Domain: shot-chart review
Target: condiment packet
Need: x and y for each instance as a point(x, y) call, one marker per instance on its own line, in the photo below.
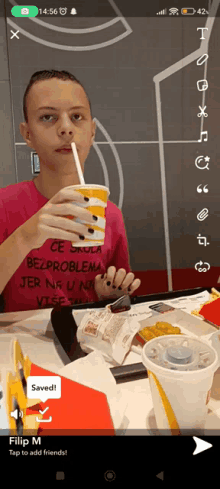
point(110, 333)
point(122, 304)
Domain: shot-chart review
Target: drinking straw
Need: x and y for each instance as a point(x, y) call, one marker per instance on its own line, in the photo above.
point(78, 166)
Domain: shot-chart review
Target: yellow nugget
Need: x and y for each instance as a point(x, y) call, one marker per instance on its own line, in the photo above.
point(146, 334)
point(159, 329)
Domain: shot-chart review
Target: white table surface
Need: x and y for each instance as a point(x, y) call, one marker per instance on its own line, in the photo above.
point(33, 331)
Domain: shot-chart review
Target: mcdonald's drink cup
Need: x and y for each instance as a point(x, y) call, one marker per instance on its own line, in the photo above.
point(98, 195)
point(180, 371)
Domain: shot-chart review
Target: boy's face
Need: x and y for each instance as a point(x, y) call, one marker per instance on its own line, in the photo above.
point(47, 129)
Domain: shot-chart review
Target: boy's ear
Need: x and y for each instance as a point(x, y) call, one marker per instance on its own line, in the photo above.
point(24, 130)
point(93, 130)
point(25, 134)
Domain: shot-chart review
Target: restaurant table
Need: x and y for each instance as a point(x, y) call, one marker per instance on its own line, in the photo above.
point(35, 332)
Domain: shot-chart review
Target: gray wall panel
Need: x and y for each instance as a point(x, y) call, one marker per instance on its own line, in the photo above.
point(7, 153)
point(119, 81)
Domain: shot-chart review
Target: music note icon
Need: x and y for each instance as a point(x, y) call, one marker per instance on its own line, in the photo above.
point(203, 134)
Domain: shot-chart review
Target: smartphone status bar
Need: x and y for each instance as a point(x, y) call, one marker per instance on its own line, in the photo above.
point(111, 9)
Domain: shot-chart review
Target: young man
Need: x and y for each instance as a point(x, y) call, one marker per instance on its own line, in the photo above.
point(39, 265)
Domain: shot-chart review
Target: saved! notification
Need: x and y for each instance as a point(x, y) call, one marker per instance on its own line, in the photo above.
point(44, 387)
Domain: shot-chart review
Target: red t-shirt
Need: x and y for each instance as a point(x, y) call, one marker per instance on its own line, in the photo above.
point(56, 273)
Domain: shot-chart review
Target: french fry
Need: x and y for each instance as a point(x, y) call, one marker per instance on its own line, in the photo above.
point(215, 292)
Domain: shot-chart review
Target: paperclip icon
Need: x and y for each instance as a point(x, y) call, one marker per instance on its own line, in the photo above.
point(202, 214)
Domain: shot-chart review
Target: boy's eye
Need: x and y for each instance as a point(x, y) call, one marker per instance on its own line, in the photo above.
point(52, 115)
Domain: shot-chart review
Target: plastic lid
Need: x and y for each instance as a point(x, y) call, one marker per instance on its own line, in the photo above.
point(179, 354)
point(176, 352)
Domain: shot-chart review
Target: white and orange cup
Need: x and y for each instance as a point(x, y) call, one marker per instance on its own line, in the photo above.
point(180, 397)
point(98, 197)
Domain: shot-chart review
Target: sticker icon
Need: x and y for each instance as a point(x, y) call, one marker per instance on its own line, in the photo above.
point(202, 85)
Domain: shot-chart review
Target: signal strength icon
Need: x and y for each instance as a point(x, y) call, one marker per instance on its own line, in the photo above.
point(162, 12)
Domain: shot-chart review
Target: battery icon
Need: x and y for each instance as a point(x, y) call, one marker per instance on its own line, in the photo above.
point(188, 11)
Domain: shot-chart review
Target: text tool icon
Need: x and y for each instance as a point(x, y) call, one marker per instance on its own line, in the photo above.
point(202, 85)
point(202, 240)
point(198, 266)
point(203, 214)
point(202, 29)
point(200, 114)
point(199, 162)
point(188, 11)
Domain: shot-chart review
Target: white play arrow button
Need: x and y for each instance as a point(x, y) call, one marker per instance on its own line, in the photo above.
point(201, 445)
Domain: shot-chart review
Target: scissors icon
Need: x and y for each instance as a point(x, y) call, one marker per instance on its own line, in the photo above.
point(202, 112)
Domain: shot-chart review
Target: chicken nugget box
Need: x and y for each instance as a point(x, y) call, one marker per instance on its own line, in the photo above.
point(80, 410)
point(177, 318)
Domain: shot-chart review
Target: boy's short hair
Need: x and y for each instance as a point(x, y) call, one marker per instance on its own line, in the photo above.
point(46, 75)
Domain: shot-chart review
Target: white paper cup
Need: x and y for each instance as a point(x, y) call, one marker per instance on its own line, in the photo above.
point(98, 195)
point(179, 397)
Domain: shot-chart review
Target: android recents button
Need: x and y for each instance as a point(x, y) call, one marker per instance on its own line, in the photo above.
point(24, 11)
point(60, 476)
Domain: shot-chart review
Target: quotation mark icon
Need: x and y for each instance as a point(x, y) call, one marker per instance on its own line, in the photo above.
point(199, 190)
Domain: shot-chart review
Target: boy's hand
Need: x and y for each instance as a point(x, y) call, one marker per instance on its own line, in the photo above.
point(56, 220)
point(126, 282)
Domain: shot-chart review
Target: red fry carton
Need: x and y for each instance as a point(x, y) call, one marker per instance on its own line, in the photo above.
point(211, 312)
point(80, 411)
